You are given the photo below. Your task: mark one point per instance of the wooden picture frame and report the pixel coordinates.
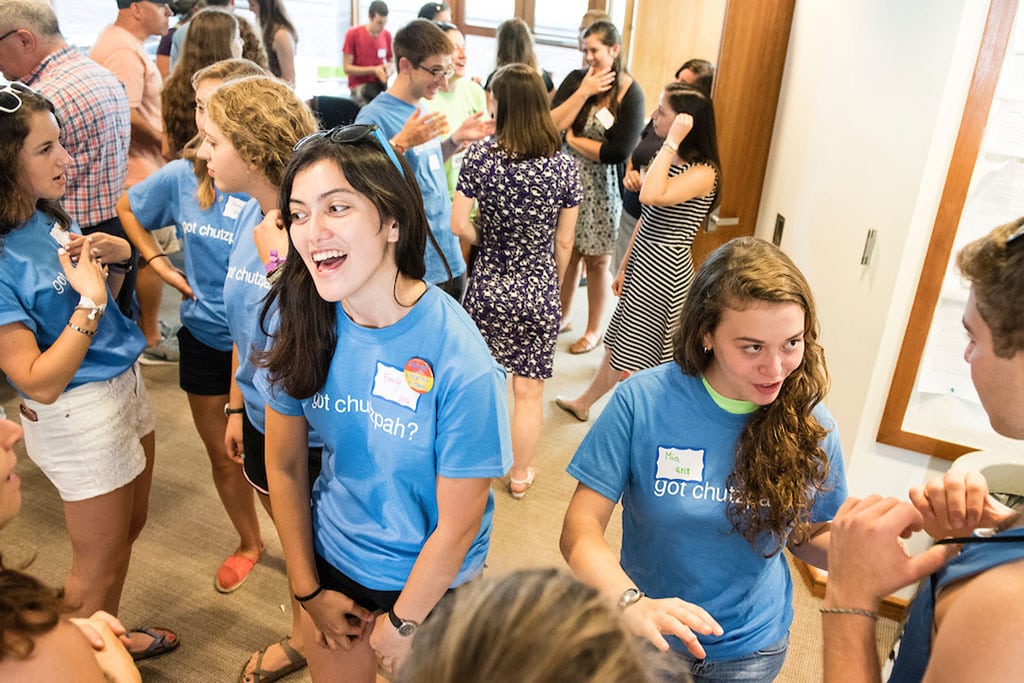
(991, 53)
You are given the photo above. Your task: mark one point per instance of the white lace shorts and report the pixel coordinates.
(87, 442)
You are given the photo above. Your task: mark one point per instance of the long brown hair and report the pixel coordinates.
(515, 44)
(609, 35)
(522, 126)
(14, 129)
(210, 34)
(304, 344)
(780, 464)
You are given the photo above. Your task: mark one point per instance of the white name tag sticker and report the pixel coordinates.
(681, 464)
(389, 384)
(233, 207)
(434, 162)
(382, 53)
(604, 117)
(60, 236)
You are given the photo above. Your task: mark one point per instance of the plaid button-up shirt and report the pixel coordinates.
(95, 130)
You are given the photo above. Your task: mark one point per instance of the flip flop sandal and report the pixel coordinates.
(164, 640)
(260, 675)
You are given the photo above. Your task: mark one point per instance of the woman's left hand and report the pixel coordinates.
(620, 277)
(270, 235)
(391, 649)
(682, 124)
(106, 249)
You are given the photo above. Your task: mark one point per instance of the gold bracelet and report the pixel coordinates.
(849, 610)
(76, 328)
(674, 148)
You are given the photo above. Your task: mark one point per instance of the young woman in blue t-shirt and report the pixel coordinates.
(85, 411)
(396, 379)
(721, 459)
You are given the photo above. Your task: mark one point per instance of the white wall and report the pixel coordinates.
(868, 115)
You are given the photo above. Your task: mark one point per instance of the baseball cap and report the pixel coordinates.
(125, 4)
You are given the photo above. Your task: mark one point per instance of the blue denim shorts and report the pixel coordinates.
(761, 666)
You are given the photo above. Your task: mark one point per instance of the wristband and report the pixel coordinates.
(156, 256)
(849, 610)
(306, 598)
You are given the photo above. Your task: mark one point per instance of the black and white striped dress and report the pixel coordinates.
(658, 276)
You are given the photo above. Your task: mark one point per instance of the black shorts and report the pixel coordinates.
(374, 600)
(254, 465)
(202, 370)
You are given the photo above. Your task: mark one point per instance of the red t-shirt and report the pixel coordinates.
(366, 51)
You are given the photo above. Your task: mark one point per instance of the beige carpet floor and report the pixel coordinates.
(188, 536)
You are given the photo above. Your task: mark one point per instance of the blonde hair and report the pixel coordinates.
(530, 626)
(223, 70)
(263, 118)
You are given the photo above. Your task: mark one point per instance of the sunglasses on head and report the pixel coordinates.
(10, 99)
(353, 133)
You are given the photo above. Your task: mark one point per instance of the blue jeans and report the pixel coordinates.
(763, 665)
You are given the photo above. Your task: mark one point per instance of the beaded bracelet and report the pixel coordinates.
(76, 328)
(849, 610)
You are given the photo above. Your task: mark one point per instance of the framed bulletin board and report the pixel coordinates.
(932, 407)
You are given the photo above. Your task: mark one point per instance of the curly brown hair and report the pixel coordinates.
(28, 609)
(780, 463)
(263, 118)
(211, 34)
(996, 274)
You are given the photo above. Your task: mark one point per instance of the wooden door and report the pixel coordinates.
(755, 38)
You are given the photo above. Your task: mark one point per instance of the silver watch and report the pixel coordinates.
(404, 628)
(95, 310)
(630, 596)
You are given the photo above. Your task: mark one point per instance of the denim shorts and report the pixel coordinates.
(761, 666)
(87, 441)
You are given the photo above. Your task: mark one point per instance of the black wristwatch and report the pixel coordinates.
(229, 411)
(629, 597)
(404, 628)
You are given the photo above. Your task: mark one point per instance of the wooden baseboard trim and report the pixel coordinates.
(893, 607)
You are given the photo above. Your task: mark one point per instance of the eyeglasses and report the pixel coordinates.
(439, 72)
(9, 33)
(10, 100)
(353, 133)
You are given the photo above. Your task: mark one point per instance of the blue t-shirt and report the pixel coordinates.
(245, 288)
(667, 448)
(169, 196)
(427, 161)
(402, 404)
(34, 291)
